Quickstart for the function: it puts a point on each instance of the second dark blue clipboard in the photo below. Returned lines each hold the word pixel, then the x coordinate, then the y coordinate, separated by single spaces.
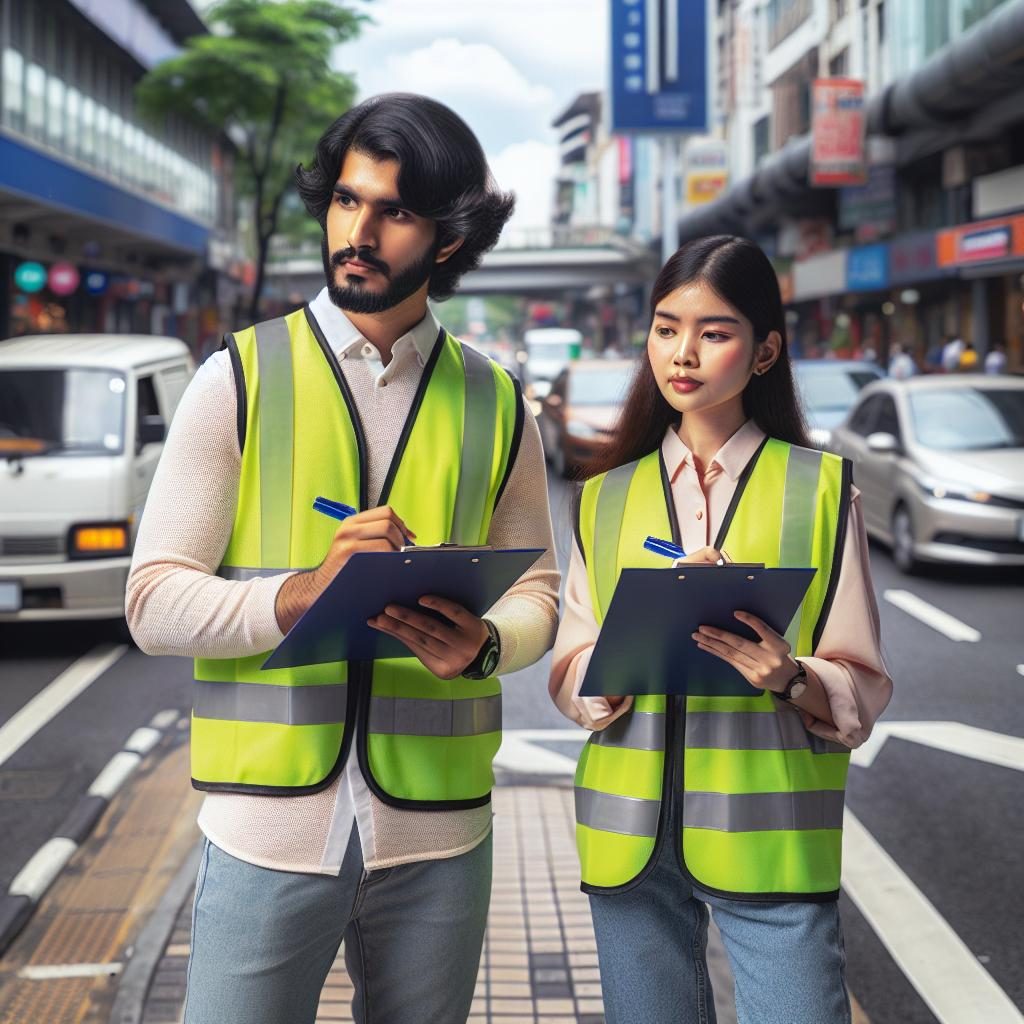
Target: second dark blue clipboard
pixel 334 627
pixel 645 644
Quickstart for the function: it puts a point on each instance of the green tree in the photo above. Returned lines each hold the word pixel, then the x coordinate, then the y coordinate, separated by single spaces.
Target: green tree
pixel 263 78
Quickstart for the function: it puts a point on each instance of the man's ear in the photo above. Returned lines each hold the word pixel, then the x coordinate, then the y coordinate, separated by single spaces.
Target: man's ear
pixel 447 251
pixel 768 352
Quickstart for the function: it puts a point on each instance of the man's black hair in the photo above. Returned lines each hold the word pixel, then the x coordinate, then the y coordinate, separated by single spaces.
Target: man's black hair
pixel 443 175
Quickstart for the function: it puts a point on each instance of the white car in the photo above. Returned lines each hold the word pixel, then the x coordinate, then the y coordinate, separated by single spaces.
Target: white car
pixel 82 424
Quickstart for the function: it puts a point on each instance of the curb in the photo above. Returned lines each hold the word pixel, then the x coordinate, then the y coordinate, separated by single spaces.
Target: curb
pixel 45 865
pixel 130 1001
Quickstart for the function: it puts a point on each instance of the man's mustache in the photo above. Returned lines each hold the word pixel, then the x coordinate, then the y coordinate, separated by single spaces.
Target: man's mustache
pixel 363 255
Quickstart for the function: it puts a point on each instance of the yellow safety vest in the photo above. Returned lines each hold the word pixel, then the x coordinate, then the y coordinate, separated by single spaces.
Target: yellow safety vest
pixel 423 742
pixel 762 798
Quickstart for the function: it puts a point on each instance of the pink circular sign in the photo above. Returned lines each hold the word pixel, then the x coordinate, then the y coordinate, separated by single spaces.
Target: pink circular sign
pixel 63 279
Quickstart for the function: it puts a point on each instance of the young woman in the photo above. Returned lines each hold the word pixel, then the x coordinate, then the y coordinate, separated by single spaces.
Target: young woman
pixel 686 803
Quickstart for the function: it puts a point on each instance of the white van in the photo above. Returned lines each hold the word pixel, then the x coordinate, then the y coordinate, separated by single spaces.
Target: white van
pixel 82 423
pixel 548 351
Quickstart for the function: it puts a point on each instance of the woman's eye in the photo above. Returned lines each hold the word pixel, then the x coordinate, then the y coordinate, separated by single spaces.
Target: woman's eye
pixel 664 332
pixel 715 336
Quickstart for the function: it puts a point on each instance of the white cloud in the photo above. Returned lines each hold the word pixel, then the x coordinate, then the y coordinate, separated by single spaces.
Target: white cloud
pixel 528 169
pixel 453 71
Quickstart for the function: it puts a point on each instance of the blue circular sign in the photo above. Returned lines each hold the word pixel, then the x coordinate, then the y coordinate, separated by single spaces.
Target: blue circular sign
pixel 30 277
pixel 96 282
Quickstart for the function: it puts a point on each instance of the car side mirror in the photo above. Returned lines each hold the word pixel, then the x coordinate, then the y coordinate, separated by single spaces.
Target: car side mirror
pixel 152 430
pixel 884 443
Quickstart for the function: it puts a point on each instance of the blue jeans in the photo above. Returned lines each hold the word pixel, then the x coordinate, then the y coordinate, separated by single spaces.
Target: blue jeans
pixel 787 959
pixel 263 941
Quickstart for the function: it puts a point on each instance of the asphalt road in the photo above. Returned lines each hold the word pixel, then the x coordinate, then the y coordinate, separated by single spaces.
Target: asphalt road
pixel 951 822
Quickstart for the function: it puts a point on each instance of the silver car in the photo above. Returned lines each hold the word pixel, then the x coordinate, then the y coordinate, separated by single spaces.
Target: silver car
pixel 940 464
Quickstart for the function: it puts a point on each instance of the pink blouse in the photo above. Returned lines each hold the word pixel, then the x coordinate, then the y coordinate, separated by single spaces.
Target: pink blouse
pixel 848 659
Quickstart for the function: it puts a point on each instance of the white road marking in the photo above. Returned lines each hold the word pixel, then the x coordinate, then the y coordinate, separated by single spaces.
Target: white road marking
pixel 143 740
pixel 114 774
pixel 47 972
pixel 48 703
pixel 44 866
pixel 1020 670
pixel 942 622
pixel 945 973
pixel 519 753
pixel 164 719
pixel 953 737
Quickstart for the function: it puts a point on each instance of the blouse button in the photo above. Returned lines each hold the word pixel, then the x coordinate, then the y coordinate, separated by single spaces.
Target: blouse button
pixel 700 514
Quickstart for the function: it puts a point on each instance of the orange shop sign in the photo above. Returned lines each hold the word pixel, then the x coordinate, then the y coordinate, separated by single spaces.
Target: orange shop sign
pixel 980 242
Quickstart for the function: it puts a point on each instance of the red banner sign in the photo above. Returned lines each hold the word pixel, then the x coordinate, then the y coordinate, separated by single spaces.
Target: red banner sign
pixel 837 133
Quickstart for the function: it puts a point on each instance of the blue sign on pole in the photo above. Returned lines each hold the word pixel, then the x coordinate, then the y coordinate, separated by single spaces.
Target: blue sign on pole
pixel 867 268
pixel 659 66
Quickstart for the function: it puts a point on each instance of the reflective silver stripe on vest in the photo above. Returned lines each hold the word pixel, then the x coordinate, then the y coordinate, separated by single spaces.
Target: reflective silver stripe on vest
pixel 639 730
pixel 417 716
pixel 745 730
pixel 266 702
pixel 478 430
pixel 760 812
pixel 627 815
pixel 276 411
pixel 611 508
pixel 237 572
pixel 799 507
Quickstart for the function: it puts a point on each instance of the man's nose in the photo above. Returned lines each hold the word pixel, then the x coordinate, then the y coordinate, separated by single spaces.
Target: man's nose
pixel 362 231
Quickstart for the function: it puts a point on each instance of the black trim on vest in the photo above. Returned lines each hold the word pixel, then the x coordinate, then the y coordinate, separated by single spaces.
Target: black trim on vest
pixel 316 787
pixel 357 424
pixel 837 554
pixel 241 400
pixel 575 513
pixel 741 486
pixel 410 420
pixel 517 437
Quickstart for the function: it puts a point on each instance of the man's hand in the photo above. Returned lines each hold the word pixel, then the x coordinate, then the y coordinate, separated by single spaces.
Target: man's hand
pixel 377 529
pixel 445 648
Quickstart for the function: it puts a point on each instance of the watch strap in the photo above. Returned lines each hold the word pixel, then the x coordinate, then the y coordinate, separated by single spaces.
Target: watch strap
pixel 490 651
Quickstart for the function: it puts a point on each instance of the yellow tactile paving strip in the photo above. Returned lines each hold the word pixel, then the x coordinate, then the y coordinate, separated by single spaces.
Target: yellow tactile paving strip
pixel 103 897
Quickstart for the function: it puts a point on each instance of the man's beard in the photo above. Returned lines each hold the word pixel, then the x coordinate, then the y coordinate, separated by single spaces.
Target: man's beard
pixel 357 298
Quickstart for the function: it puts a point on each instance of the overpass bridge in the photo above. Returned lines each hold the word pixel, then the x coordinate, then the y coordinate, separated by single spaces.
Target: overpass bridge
pixel 535 263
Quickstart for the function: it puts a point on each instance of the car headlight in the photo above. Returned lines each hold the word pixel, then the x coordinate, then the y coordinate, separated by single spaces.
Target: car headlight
pixel 98 540
pixel 955 491
pixel 579 429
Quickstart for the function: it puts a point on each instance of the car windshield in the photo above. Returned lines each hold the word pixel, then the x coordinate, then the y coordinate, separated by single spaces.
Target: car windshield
pixel 968 419
pixel 828 389
pixel 597 387
pixel 546 351
pixel 46 411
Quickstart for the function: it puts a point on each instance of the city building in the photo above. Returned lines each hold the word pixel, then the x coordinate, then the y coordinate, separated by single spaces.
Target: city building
pixel 932 243
pixel 107 222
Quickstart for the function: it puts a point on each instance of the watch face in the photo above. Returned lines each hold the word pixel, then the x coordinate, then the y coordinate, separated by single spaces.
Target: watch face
pixel 490 661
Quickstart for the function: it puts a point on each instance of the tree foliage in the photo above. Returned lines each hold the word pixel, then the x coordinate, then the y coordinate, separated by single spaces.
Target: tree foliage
pixel 263 78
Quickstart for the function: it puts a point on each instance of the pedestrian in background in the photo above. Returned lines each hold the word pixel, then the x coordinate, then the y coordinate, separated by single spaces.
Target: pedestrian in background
pixel 901 363
pixel 995 358
pixel 736 803
pixel 968 361
pixel 951 353
pixel 349 800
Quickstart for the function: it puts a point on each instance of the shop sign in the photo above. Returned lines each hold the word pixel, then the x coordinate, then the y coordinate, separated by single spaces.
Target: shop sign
pixel 96 282
pixel 869 210
pixel 814 236
pixel 30 277
pixel 820 276
pixel 867 268
pixel 981 242
pixel 64 278
pixel 706 167
pixel 912 259
pixel 837 133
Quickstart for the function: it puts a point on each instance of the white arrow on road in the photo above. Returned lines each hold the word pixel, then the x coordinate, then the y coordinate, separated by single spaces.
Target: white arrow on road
pixel 953 737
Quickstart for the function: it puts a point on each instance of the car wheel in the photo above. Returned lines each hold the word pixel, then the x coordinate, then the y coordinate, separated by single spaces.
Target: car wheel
pixel 903 541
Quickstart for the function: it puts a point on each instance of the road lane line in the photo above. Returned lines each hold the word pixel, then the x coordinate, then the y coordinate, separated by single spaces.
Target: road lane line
pixel 49 702
pixel 952 737
pixel 48 972
pixel 114 774
pixel 945 973
pixel 143 740
pixel 43 867
pixel 1020 670
pixel 942 622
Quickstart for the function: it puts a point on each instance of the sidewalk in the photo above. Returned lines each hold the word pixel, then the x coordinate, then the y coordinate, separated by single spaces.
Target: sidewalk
pixel 539 962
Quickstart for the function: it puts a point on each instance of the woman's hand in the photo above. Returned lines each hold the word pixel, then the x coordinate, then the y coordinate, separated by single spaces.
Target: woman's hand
pixel 765 664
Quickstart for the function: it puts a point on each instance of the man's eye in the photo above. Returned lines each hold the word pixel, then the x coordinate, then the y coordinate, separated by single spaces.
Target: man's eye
pixel 342 199
pixel 395 214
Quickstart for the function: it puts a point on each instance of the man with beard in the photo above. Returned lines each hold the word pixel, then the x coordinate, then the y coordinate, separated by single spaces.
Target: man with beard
pixel 349 801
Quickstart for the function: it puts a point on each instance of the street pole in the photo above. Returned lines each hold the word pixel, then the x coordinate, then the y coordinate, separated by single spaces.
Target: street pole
pixel 669 208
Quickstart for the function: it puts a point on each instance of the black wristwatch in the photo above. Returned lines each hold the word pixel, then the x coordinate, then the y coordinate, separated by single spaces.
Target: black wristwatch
pixel 795 686
pixel 486 661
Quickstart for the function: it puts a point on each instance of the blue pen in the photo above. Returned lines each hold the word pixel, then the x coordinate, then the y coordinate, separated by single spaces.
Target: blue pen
pixel 339 510
pixel 664 547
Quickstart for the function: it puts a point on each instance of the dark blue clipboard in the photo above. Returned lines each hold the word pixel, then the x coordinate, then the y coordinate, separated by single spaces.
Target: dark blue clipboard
pixel 334 627
pixel 645 640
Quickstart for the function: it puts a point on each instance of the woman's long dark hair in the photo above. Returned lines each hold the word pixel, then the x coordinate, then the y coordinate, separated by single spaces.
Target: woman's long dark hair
pixel 443 175
pixel 737 270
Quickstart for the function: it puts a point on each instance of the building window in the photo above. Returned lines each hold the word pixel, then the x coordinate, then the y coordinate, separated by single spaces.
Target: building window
pixel 762 138
pixel 55 112
pixel 975 10
pixel 35 100
pixel 839 9
pixel 838 66
pixel 785 17
pixel 14 90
